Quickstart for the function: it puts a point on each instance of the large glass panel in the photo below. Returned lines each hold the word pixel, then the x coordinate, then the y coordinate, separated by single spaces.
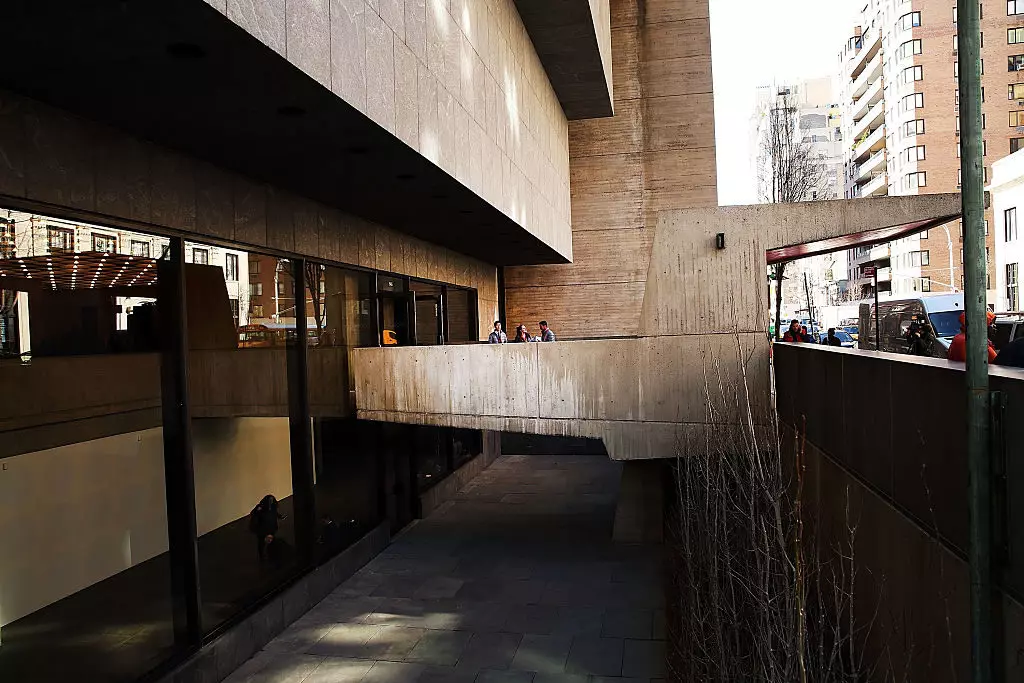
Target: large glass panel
pixel 240 430
pixel 432 449
pixel 462 316
pixel 339 305
pixel 428 313
pixel 85 582
pixel 349 481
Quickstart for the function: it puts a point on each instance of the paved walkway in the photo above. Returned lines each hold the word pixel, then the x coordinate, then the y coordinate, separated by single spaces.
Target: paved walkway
pixel 516 580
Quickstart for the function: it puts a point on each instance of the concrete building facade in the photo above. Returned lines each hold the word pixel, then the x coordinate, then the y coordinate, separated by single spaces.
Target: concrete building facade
pixel 398 175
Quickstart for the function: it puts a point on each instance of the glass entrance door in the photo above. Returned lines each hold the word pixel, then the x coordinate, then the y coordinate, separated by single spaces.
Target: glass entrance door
pixel 397 318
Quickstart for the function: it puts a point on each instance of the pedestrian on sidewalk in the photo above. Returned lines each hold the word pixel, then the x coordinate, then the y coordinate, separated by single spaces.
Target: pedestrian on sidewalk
pixel 793 333
pixel 958 347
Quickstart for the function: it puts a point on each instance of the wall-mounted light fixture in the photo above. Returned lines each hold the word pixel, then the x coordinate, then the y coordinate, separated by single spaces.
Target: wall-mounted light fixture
pixel 720 240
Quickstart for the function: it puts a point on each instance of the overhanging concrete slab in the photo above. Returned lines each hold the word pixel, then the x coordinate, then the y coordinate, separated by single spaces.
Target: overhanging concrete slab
pixel 573 40
pixel 181 74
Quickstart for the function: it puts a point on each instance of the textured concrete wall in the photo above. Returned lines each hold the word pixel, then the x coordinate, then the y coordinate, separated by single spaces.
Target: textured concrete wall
pixel 646 398
pixel 697 370
pixel 456 80
pixel 72 168
pixel 656 154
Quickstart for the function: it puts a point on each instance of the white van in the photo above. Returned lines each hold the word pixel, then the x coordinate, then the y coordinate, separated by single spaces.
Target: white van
pixel 941 311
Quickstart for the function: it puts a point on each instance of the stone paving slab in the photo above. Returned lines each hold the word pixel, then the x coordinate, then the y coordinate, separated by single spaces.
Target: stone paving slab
pixel 515 580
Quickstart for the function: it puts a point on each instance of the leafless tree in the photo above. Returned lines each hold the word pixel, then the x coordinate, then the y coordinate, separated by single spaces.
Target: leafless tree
pixel 789 170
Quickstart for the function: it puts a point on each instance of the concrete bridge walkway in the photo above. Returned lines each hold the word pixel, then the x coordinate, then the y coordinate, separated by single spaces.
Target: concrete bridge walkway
pixel 516 580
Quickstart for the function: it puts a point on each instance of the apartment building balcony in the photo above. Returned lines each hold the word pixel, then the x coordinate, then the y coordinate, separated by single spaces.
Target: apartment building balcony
pixel 880 253
pixel 872 114
pixel 871 73
pixel 884 274
pixel 872 43
pixel 874 142
pixel 877 187
pixel 871 168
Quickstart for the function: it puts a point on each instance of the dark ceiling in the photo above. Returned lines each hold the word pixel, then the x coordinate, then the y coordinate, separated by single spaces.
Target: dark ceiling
pixel 565 39
pixel 179 73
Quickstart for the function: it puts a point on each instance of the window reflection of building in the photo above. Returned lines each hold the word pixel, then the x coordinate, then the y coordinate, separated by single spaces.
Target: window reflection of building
pixel 92 330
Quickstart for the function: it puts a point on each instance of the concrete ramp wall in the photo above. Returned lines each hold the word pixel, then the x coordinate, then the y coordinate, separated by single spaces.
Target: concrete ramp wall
pixel 646 397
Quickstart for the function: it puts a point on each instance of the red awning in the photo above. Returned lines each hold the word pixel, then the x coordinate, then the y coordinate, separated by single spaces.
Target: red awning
pixel 783 254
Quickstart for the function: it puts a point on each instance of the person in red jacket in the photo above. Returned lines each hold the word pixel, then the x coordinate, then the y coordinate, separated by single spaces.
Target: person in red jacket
pixel 793 333
pixel 958 347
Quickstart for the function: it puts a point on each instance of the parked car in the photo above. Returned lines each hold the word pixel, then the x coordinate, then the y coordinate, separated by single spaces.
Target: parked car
pixel 1009 327
pixel 852 330
pixel 942 312
pixel 845 340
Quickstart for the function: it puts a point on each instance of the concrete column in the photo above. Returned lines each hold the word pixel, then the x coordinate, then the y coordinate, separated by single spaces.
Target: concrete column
pixel 639 513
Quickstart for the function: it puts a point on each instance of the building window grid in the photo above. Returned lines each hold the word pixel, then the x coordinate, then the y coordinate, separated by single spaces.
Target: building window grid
pixel 913 73
pixel 60 239
pixel 910 20
pixel 915 127
pixel 140 248
pixel 910 47
pixel 231 267
pixel 915 153
pixel 201 256
pixel 1012 287
pixel 1010 224
pixel 915 180
pixel 1014 7
pixel 106 244
pixel 7 239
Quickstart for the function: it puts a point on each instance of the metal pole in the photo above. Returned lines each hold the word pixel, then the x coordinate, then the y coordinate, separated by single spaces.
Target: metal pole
pixel 979 464
pixel 779 268
pixel 810 311
pixel 299 423
pixel 878 329
pixel 179 472
pixel 949 243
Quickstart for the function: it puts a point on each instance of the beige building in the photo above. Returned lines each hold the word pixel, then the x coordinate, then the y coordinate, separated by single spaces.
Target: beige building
pixel 900 96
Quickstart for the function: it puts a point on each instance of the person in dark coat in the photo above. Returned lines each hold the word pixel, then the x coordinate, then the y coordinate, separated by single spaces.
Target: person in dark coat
pixel 1012 355
pixel 832 340
pixel 921 341
pixel 263 523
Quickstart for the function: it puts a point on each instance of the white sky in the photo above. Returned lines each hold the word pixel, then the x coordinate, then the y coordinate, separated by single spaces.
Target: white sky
pixel 759 42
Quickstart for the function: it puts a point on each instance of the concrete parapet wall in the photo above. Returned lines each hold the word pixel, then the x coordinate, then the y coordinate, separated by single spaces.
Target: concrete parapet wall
pixel 646 397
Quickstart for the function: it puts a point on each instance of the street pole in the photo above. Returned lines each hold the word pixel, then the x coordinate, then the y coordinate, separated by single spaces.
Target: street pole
pixel 978 456
pixel 779 268
pixel 878 332
pixel 810 311
pixel 949 243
